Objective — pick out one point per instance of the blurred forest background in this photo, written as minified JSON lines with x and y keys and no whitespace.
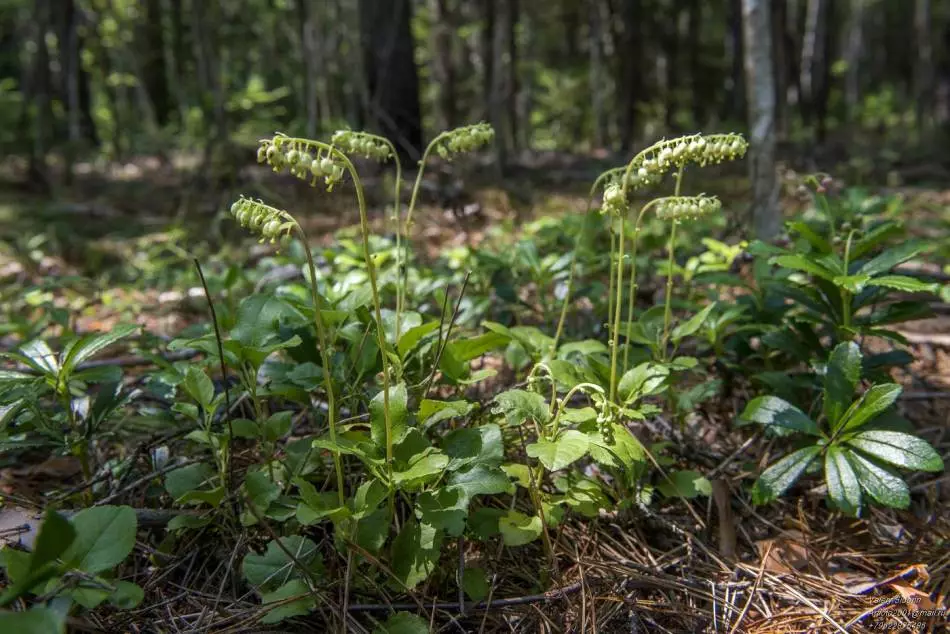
{"x":106,"y":80}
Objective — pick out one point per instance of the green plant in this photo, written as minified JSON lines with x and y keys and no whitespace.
{"x":75,"y":417}
{"x":859,"y":440}
{"x":71,"y":563}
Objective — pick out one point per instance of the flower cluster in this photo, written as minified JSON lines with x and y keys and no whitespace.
{"x":677,"y":208}
{"x":368,"y":145}
{"x":651,"y":164}
{"x":465,"y":139}
{"x":266,"y":221}
{"x":614,"y":203}
{"x":295,"y":155}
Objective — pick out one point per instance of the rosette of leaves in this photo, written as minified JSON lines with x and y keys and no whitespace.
{"x":859,"y":441}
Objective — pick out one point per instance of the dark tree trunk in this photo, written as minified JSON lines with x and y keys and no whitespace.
{"x":390,"y":69}
{"x":40,"y":94}
{"x":779,"y":61}
{"x":736,"y":102}
{"x":630,"y":76}
{"x":512,"y":87}
{"x":153,"y":62}
{"x":443,"y":62}
{"x":487,"y":53}
{"x":697,"y":72}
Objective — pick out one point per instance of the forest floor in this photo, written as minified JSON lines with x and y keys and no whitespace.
{"x":112,"y":247}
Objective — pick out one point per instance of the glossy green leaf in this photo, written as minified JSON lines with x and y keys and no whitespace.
{"x":89,"y":346}
{"x":621,"y":451}
{"x":844,"y":489}
{"x":804,"y":264}
{"x":841,"y":379}
{"x":883,"y":485}
{"x":187,"y":478}
{"x":693,"y":324}
{"x":481,"y":479}
{"x":904,"y":283}
{"x":643,"y":380}
{"x":780,"y":476}
{"x":411,"y":337}
{"x":892,"y":257}
{"x":569,"y":447}
{"x":873,"y":402}
{"x":432,"y":412}
{"x":425,"y":468}
{"x":899,"y":449}
{"x":773,"y":411}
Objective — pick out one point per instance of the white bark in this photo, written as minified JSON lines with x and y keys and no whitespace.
{"x":760,"y":89}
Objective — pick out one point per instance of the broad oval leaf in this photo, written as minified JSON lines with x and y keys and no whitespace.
{"x":775,"y":480}
{"x":773,"y":411}
{"x":403,"y":623}
{"x":561,"y":453}
{"x":398,"y":414}
{"x":105,"y":535}
{"x":518,"y":529}
{"x":274,"y":568}
{"x":520,"y":406}
{"x":899,"y":449}
{"x":416,"y":552}
{"x":643,"y":380}
{"x":844,"y":488}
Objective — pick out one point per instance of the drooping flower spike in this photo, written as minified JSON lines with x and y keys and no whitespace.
{"x":465,"y":139}
{"x":680,"y":208}
{"x":303,"y":158}
{"x":261,"y":219}
{"x":369,"y":145}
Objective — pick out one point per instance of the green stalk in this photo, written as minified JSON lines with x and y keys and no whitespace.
{"x":846,"y":296}
{"x":570,"y":279}
{"x":402,"y":255}
{"x":325,"y":359}
{"x":667,"y":309}
{"x":618,"y":309}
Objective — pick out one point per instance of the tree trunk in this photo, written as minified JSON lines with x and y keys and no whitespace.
{"x":766,"y":217}
{"x":153,"y":64}
{"x":499,"y":90}
{"x":630,"y":74}
{"x":443,"y":66}
{"x":779,"y":20}
{"x":309,"y":50}
{"x":39,"y":94}
{"x":697,"y":72}
{"x":389,"y":66}
{"x":511,"y":89}
{"x":487,"y":54}
{"x":854,"y":46}
{"x":736,"y":102}
{"x":596,"y":76}
{"x":923,"y":67}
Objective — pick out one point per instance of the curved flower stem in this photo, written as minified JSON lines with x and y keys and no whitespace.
{"x":374,"y":286}
{"x":570,"y":279}
{"x":325,"y":359}
{"x":667,"y":308}
{"x":618,"y":306}
{"x":402,"y":254}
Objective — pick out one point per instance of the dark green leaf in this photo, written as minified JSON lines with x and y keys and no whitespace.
{"x":105,"y":535}
{"x":694,"y":323}
{"x":475,"y":583}
{"x":841,"y":379}
{"x":198,"y":386}
{"x":773,"y":411}
{"x":877,"y":399}
{"x":274,"y":568}
{"x":470,"y":445}
{"x":188,"y":478}
{"x":569,"y":447}
{"x":883,"y":485}
{"x":278,"y":426}
{"x":843,"y":486}
{"x":777,"y":478}
{"x":892,"y":257}
{"x":286,"y":610}
{"x":899,"y":449}
{"x":684,"y":484}
{"x":805,"y":264}
{"x":432,"y":412}
{"x":643,"y":380}
{"x":518,"y":529}
{"x":90,"y":345}
{"x":416,"y":552}
{"x":904,"y":283}
{"x":403,"y":623}
{"x":520,"y":406}
{"x":37,"y":620}
{"x":398,"y":414}
{"x":481,"y":479}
